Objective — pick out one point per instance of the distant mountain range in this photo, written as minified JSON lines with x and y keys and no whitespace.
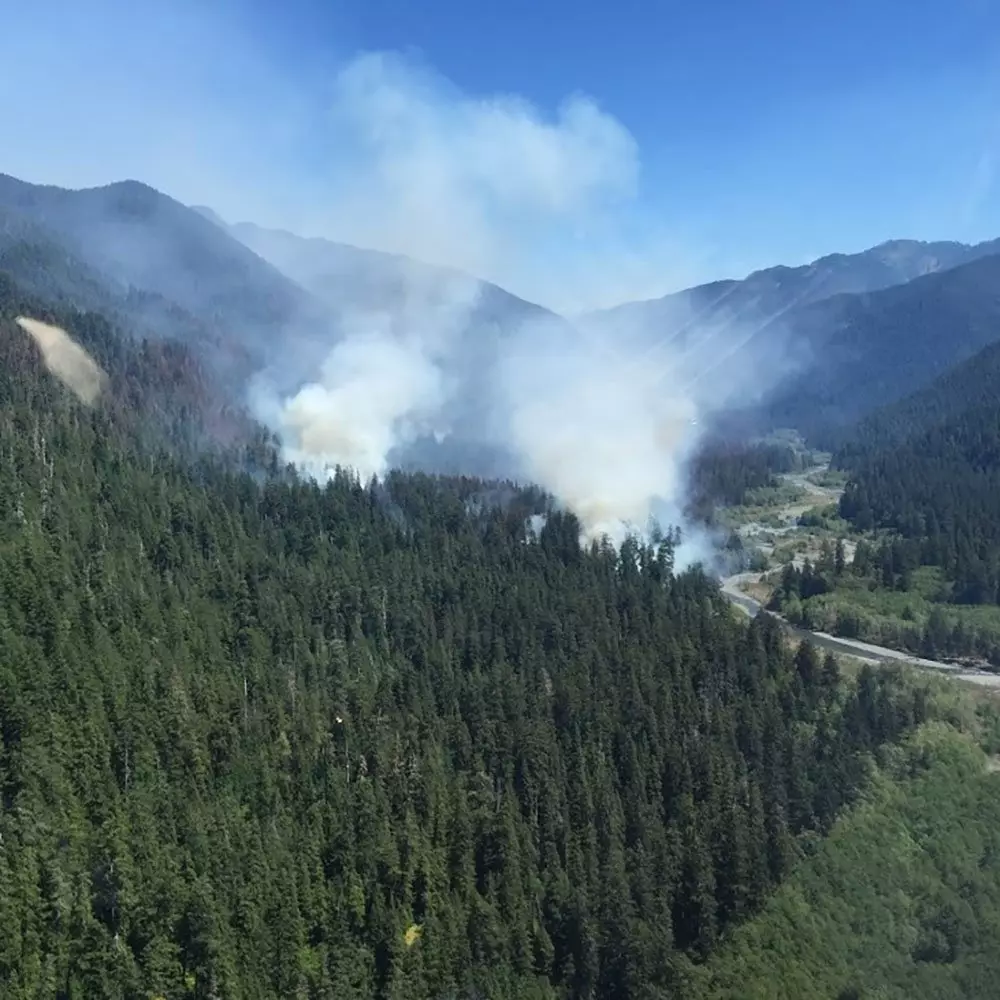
{"x":871,"y":350}
{"x":815,"y":347}
{"x":827,"y":341}
{"x":774,"y":289}
{"x":346,"y":277}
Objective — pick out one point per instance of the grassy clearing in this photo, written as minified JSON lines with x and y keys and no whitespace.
{"x":858,"y":609}
{"x":829,"y":478}
{"x":765,"y":506}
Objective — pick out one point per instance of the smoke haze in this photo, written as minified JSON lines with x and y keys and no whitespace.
{"x":385,"y":382}
{"x":602,"y":411}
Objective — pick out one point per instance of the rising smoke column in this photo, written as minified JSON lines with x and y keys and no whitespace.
{"x":66,"y":359}
{"x":387,"y":380}
{"x":375,"y":393}
{"x":605,"y":435}
{"x":602,"y":416}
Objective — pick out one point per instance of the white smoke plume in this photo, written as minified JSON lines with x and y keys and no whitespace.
{"x":385,"y":381}
{"x":478,"y":183}
{"x":373,"y":394}
{"x":66,"y":359}
{"x":545,"y":204}
{"x":601,"y":433}
{"x":602,"y":414}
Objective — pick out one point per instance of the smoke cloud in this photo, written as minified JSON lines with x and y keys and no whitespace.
{"x":600,"y":432}
{"x":603,"y":412}
{"x":66,"y":359}
{"x":387,"y":380}
{"x":486,"y":184}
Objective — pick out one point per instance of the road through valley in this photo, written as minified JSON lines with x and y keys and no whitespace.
{"x":733,"y":589}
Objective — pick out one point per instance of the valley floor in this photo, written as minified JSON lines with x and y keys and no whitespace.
{"x":748,"y":590}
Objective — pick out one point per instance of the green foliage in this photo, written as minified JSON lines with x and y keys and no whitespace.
{"x":901,"y":901}
{"x":265,"y":738}
{"x":937,"y":496}
{"x":739,"y":474}
{"x":925,"y":475}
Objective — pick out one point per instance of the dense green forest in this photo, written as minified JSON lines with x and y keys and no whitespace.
{"x":970,"y":385}
{"x":901,"y":901}
{"x":921,"y":499}
{"x":938,"y":492}
{"x":923,"y":487}
{"x":727,"y":472}
{"x":265,"y":738}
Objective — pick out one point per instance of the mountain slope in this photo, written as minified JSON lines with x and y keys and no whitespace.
{"x":780,"y":343}
{"x":741,"y":345}
{"x":144,"y":238}
{"x":775,"y":289}
{"x":137,"y":238}
{"x":351,"y":279}
{"x":974,"y":383}
{"x":354,"y":282}
{"x":159,"y":397}
{"x":870,"y":350}
{"x":276,"y":739}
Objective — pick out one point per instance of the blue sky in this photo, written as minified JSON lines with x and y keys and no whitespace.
{"x":707,"y":140}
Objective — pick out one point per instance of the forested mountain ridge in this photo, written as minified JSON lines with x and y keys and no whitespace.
{"x":161,"y":397}
{"x":144,"y":239}
{"x":828,"y":341}
{"x":349,"y":278}
{"x":926,"y":469}
{"x":43,"y":267}
{"x":267,"y":738}
{"x":939,"y":491}
{"x":902,"y":900}
{"x":974,"y":383}
{"x":874,"y":349}
{"x":775,"y":289}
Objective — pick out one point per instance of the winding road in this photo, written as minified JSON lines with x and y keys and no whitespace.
{"x":732,"y":588}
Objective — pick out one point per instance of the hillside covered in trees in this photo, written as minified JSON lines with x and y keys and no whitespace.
{"x":266,"y":738}
{"x":728,"y":472}
{"x":970,"y":385}
{"x":874,"y":349}
{"x":920,"y":500}
{"x":938,"y":492}
{"x":902,"y":900}
{"x":922,"y":490}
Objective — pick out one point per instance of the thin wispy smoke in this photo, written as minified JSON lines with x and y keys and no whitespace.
{"x":66,"y":359}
